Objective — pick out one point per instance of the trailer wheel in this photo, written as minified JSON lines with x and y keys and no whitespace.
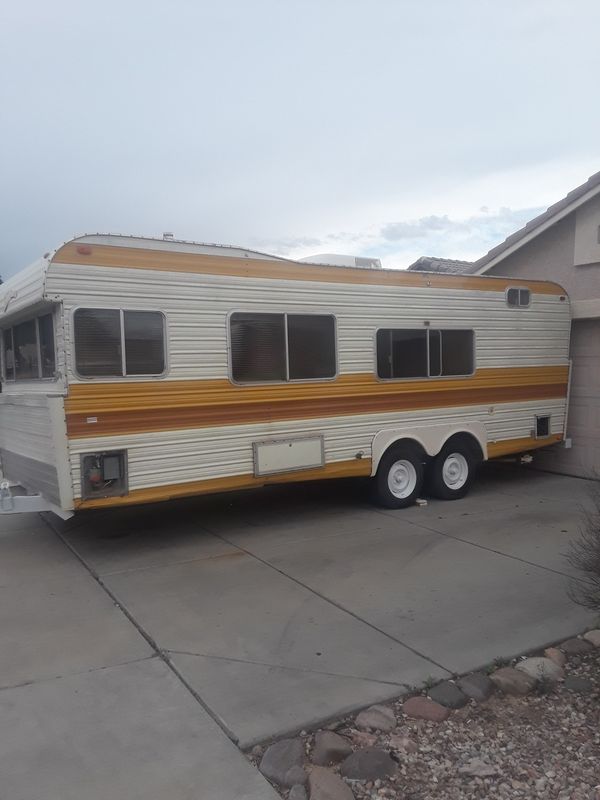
{"x":451,"y":473}
{"x":400,"y":475}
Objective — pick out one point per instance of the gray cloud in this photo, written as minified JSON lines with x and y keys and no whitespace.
{"x":438,"y":235}
{"x":298,"y":122}
{"x":396,"y":231}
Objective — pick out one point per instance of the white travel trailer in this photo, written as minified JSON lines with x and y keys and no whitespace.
{"x":138,"y":370}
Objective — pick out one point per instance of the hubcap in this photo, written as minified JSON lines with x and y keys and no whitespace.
{"x":455,"y":471}
{"x":402,"y":479}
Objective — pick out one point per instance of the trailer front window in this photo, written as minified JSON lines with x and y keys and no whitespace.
{"x":28,"y":350}
{"x":8,"y":355}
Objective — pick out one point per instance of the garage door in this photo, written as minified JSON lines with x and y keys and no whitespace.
{"x":584,"y":409}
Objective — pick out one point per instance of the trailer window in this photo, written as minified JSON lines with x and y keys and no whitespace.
{"x":311,"y":346}
{"x":281,"y":347}
{"x":46,"y":338}
{"x":28,"y":350}
{"x":518,"y":298}
{"x":100,"y":334}
{"x":144,"y":343}
{"x":8,"y":355}
{"x":424,"y":353}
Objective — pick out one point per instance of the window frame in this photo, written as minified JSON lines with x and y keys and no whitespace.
{"x":38,"y":343}
{"x":285,"y":315}
{"x":427,"y":377}
{"x":123,"y":376}
{"x":519,"y":289}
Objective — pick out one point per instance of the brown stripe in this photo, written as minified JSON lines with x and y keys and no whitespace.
{"x":198,"y":263}
{"x":122,"y":408}
{"x":336,"y":469}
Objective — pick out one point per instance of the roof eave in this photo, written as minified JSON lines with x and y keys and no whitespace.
{"x":487,"y":263}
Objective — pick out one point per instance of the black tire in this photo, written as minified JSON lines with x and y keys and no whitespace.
{"x":413,"y":459}
{"x":446,"y":477}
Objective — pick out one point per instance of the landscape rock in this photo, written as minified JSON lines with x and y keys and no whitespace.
{"x":295,"y":775}
{"x":298,"y":792}
{"x":330,"y":748}
{"x":513,"y":681}
{"x":541,"y":669}
{"x":421,"y":707}
{"x":448,"y":694}
{"x":556,"y":655}
{"x":363,"y":739}
{"x":404,"y":744}
{"x":576,"y":647}
{"x":282,"y":762}
{"x":380,"y":718}
{"x":576,"y":684}
{"x":368,"y":765}
{"x":477,"y":686}
{"x":478,"y":769}
{"x":593,"y":637}
{"x":326,"y":785}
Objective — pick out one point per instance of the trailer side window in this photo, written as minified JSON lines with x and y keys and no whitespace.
{"x":424,"y":353}
{"x":100,"y":334}
{"x":28,"y":350}
{"x":281,"y":347}
{"x":518,"y":298}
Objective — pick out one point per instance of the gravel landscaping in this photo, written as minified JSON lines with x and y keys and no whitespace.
{"x":529,"y":729}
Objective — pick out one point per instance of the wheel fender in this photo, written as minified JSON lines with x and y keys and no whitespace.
{"x":430,"y":437}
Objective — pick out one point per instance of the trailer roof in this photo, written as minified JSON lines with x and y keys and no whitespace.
{"x":26,"y":289}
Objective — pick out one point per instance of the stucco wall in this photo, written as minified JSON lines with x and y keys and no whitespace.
{"x":551,"y":256}
{"x":587,"y":230}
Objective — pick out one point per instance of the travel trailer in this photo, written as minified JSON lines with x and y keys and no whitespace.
{"x":137,"y":370}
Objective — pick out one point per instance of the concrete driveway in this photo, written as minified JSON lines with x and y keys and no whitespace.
{"x":135,"y":645}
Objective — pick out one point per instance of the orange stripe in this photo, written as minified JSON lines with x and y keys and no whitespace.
{"x":130,"y":407}
{"x":336,"y":469}
{"x":198,"y":263}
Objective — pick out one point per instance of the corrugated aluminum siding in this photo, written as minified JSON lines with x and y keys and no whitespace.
{"x":196,"y":309}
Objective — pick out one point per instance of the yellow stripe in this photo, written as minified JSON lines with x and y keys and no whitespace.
{"x":198,"y":263}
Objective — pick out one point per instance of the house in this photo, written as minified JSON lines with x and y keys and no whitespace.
{"x":432,"y":264}
{"x":561,"y":244}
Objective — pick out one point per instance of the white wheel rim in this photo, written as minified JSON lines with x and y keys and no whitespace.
{"x":455,"y":471}
{"x":402,"y":479}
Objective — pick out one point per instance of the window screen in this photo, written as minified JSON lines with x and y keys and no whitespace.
{"x":457,"y":352}
{"x":424,"y":353}
{"x":281,"y":347}
{"x":9,"y":357}
{"x":26,"y":350}
{"x":311,"y":346}
{"x":47,"y":358}
{"x":402,"y":353}
{"x":98,"y":336}
{"x":519,"y":298}
{"x":144,"y":344}
{"x":258,"y":347}
{"x":98,"y":342}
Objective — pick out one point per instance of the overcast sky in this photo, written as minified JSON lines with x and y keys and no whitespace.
{"x":389,"y":128}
